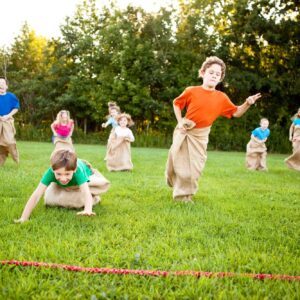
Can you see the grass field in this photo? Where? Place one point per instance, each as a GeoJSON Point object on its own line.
{"type": "Point", "coordinates": [243, 222]}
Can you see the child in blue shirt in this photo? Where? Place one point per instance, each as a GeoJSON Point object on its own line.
{"type": "Point", "coordinates": [256, 149]}
{"type": "Point", "coordinates": [293, 161]}
{"type": "Point", "coordinates": [113, 111]}
{"type": "Point", "coordinates": [9, 105]}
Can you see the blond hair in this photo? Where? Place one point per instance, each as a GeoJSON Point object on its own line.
{"type": "Point", "coordinates": [211, 61]}
{"type": "Point", "coordinates": [263, 119]}
{"type": "Point", "coordinates": [63, 159]}
{"type": "Point", "coordinates": [127, 116]}
{"type": "Point", "coordinates": [59, 116]}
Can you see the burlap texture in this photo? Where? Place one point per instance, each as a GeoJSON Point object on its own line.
{"type": "Point", "coordinates": [118, 156]}
{"type": "Point", "coordinates": [256, 155]}
{"type": "Point", "coordinates": [186, 159]}
{"type": "Point", "coordinates": [7, 141]}
{"type": "Point", "coordinates": [72, 197]}
{"type": "Point", "coordinates": [293, 161]}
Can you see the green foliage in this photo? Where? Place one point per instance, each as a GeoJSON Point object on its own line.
{"type": "Point", "coordinates": [243, 222]}
{"type": "Point", "coordinates": [144, 60]}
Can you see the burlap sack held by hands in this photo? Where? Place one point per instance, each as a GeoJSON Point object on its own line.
{"type": "Point", "coordinates": [293, 161]}
{"type": "Point", "coordinates": [118, 156]}
{"type": "Point", "coordinates": [186, 159]}
{"type": "Point", "coordinates": [8, 141]}
{"type": "Point", "coordinates": [256, 155]}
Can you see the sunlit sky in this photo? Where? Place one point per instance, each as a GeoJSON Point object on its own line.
{"type": "Point", "coordinates": [45, 16]}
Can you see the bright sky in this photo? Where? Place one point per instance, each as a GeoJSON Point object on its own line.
{"type": "Point", "coordinates": [45, 16]}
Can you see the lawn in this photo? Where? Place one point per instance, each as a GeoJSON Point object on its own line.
{"type": "Point", "coordinates": [241, 221]}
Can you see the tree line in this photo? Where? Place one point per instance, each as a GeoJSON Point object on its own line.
{"type": "Point", "coordinates": [144, 60]}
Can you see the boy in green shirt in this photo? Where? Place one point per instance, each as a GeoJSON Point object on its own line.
{"type": "Point", "coordinates": [69, 182]}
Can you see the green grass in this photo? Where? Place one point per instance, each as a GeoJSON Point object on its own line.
{"type": "Point", "coordinates": [241, 222]}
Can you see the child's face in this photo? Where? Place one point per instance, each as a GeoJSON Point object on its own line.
{"type": "Point", "coordinates": [3, 86]}
{"type": "Point", "coordinates": [113, 112]}
{"type": "Point", "coordinates": [264, 124]}
{"type": "Point", "coordinates": [64, 116]}
{"type": "Point", "coordinates": [212, 76]}
{"type": "Point", "coordinates": [123, 122]}
{"type": "Point", "coordinates": [63, 176]}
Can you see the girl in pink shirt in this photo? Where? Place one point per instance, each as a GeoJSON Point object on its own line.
{"type": "Point", "coordinates": [62, 129]}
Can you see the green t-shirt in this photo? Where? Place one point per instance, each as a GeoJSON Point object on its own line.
{"type": "Point", "coordinates": [82, 174]}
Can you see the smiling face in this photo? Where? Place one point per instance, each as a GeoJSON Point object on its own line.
{"type": "Point", "coordinates": [63, 176]}
{"type": "Point", "coordinates": [123, 122]}
{"type": "Point", "coordinates": [3, 86]}
{"type": "Point", "coordinates": [212, 76]}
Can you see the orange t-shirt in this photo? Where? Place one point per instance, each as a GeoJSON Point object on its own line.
{"type": "Point", "coordinates": [204, 106]}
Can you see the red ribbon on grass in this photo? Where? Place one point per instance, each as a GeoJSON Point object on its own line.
{"type": "Point", "coordinates": [147, 272]}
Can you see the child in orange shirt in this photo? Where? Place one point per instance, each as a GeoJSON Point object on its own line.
{"type": "Point", "coordinates": [203, 104]}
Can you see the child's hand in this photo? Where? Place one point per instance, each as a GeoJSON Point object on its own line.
{"type": "Point", "coordinates": [21, 220]}
{"type": "Point", "coordinates": [103, 125]}
{"type": "Point", "coordinates": [181, 127]}
{"type": "Point", "coordinates": [252, 99]}
{"type": "Point", "coordinates": [86, 213]}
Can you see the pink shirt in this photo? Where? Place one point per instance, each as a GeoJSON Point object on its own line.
{"type": "Point", "coordinates": [63, 129]}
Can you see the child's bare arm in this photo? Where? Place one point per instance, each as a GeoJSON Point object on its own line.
{"type": "Point", "coordinates": [245, 106]}
{"type": "Point", "coordinates": [52, 128]}
{"type": "Point", "coordinates": [32, 202]}
{"type": "Point", "coordinates": [178, 116]}
{"type": "Point", "coordinates": [72, 128]}
{"type": "Point", "coordinates": [291, 131]}
{"type": "Point", "coordinates": [88, 207]}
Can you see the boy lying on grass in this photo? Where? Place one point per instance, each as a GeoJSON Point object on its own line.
{"type": "Point", "coordinates": [69, 182]}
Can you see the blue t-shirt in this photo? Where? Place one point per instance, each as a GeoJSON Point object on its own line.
{"type": "Point", "coordinates": [112, 121]}
{"type": "Point", "coordinates": [82, 175]}
{"type": "Point", "coordinates": [261, 134]}
{"type": "Point", "coordinates": [8, 102]}
{"type": "Point", "coordinates": [296, 121]}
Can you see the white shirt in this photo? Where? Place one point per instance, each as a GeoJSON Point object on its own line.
{"type": "Point", "coordinates": [124, 132]}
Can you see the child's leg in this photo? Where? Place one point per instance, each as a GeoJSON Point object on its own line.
{"type": "Point", "coordinates": [262, 164]}
{"type": "Point", "coordinates": [98, 184]}
{"type": "Point", "coordinates": [3, 154]}
{"type": "Point", "coordinates": [14, 152]}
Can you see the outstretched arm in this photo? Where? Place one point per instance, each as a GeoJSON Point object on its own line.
{"type": "Point", "coordinates": [246, 105]}
{"type": "Point", "coordinates": [32, 202]}
{"type": "Point", "coordinates": [88, 206]}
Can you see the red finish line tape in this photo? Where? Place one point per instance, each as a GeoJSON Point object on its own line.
{"type": "Point", "coordinates": [147, 272]}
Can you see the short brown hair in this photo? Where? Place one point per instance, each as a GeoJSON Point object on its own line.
{"type": "Point", "coordinates": [63, 159]}
{"type": "Point", "coordinates": [211, 61]}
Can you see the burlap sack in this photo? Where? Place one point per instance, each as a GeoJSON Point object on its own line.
{"type": "Point", "coordinates": [108, 146]}
{"type": "Point", "coordinates": [293, 161]}
{"type": "Point", "coordinates": [7, 141]}
{"type": "Point", "coordinates": [256, 155]}
{"type": "Point", "coordinates": [186, 159]}
{"type": "Point", "coordinates": [72, 197]}
{"type": "Point", "coordinates": [63, 143]}
{"type": "Point", "coordinates": [118, 157]}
